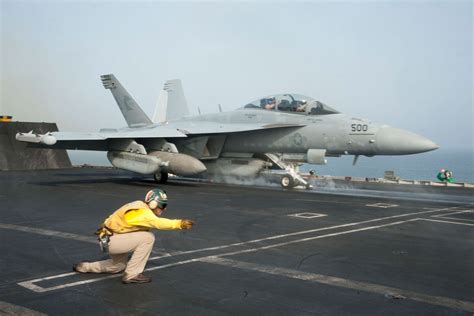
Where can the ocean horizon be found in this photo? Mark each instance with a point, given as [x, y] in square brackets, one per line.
[423, 166]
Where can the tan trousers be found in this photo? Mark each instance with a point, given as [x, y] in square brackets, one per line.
[140, 243]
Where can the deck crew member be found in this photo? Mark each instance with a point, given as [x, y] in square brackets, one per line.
[127, 231]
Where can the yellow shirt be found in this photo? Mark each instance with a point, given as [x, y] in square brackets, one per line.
[136, 216]
[146, 218]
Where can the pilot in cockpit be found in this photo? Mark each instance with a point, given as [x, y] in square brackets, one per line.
[268, 103]
[302, 106]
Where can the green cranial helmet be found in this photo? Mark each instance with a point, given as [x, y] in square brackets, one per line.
[157, 195]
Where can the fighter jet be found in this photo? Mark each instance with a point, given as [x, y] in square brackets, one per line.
[273, 132]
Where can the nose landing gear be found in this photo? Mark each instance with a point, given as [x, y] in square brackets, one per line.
[291, 178]
[287, 181]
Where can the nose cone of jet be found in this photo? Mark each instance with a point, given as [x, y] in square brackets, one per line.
[394, 141]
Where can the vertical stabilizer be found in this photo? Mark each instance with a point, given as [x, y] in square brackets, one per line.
[160, 109]
[171, 102]
[131, 111]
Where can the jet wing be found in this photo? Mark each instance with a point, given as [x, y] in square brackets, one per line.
[157, 132]
[208, 128]
[95, 140]
[100, 140]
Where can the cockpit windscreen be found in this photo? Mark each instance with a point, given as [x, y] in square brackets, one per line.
[295, 103]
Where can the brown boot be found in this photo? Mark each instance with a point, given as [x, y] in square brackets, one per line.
[137, 279]
[79, 267]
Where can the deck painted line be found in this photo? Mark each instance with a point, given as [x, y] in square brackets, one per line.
[47, 232]
[302, 233]
[315, 238]
[36, 288]
[382, 205]
[344, 283]
[93, 240]
[446, 222]
[307, 215]
[448, 216]
[54, 233]
[457, 219]
[10, 309]
[452, 208]
[454, 213]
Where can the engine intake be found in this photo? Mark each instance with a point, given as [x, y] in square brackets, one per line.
[316, 156]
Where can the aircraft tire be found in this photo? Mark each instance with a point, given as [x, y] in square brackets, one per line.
[287, 181]
[161, 177]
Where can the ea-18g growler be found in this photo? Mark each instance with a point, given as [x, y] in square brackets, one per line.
[274, 132]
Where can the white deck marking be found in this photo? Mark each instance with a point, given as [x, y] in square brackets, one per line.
[454, 213]
[307, 215]
[10, 309]
[54, 233]
[431, 210]
[315, 238]
[30, 284]
[36, 288]
[447, 222]
[93, 240]
[448, 216]
[382, 205]
[344, 283]
[47, 232]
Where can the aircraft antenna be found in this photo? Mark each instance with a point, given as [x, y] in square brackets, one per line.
[355, 160]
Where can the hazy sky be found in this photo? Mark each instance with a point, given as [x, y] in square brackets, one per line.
[407, 64]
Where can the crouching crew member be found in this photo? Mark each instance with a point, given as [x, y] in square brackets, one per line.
[127, 231]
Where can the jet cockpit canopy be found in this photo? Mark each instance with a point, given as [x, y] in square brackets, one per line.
[294, 103]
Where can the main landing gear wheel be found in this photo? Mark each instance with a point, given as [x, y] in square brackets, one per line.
[287, 181]
[161, 177]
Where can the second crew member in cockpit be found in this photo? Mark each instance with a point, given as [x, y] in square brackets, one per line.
[302, 106]
[268, 103]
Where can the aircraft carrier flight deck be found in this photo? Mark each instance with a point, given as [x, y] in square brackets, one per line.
[253, 250]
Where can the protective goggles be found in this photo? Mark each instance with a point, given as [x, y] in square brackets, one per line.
[162, 205]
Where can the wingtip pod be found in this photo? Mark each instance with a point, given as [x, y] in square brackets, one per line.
[46, 139]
